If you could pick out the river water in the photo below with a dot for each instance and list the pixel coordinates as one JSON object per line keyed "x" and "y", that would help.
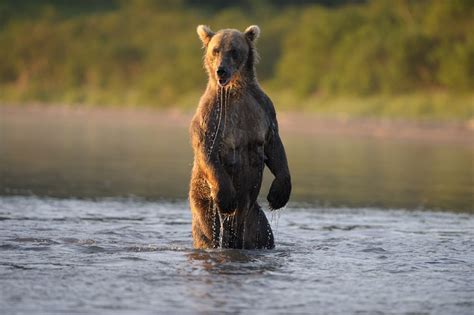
{"x": 94, "y": 219}
{"x": 135, "y": 256}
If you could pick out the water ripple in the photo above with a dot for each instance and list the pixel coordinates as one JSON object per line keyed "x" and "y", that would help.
{"x": 65, "y": 256}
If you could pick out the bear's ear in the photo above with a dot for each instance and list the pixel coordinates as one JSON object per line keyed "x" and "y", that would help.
{"x": 205, "y": 34}
{"x": 252, "y": 32}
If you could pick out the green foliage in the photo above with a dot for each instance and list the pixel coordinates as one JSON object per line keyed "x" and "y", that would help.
{"x": 146, "y": 52}
{"x": 381, "y": 48}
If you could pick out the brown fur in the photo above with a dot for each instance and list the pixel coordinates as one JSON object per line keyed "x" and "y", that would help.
{"x": 234, "y": 135}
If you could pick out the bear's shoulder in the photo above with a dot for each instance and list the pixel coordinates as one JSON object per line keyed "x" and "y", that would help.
{"x": 203, "y": 111}
{"x": 265, "y": 102}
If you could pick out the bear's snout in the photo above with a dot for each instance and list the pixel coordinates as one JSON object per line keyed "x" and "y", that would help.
{"x": 221, "y": 72}
{"x": 223, "y": 76}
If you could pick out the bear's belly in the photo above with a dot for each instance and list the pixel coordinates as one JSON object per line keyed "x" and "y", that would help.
{"x": 245, "y": 165}
{"x": 242, "y": 150}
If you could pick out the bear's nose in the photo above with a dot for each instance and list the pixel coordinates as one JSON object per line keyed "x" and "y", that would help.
{"x": 221, "y": 72}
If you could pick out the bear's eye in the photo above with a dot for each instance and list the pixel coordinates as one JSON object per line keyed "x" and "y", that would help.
{"x": 215, "y": 51}
{"x": 234, "y": 54}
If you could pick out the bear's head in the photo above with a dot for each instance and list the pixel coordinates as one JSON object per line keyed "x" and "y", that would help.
{"x": 230, "y": 54}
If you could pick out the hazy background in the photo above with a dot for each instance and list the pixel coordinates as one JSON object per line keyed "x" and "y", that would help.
{"x": 374, "y": 98}
{"x": 396, "y": 59}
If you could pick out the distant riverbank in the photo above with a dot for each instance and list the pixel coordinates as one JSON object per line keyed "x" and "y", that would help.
{"x": 296, "y": 122}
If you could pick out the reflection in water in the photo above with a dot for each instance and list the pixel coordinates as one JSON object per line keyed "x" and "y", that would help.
{"x": 235, "y": 262}
{"x": 220, "y": 276}
{"x": 112, "y": 153}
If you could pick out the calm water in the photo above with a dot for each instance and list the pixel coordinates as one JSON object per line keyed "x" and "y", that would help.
{"x": 118, "y": 154}
{"x": 94, "y": 219}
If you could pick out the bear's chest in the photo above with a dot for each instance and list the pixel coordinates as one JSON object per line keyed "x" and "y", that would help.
{"x": 244, "y": 132}
{"x": 245, "y": 125}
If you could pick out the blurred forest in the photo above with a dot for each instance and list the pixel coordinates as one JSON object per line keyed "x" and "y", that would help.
{"x": 400, "y": 58}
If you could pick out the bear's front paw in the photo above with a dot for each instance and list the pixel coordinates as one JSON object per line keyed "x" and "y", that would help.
{"x": 279, "y": 193}
{"x": 225, "y": 199}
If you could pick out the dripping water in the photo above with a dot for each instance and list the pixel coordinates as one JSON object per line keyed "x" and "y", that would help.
{"x": 243, "y": 233}
{"x": 221, "y": 231}
{"x": 233, "y": 228}
{"x": 224, "y": 220}
{"x": 258, "y": 224}
{"x": 275, "y": 218}
{"x": 223, "y": 95}
{"x": 220, "y": 109}
{"x": 214, "y": 222}
{"x": 278, "y": 220}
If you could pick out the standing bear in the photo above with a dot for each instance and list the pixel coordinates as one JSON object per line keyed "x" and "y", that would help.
{"x": 234, "y": 134}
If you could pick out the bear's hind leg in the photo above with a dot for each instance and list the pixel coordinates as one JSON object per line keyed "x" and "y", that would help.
{"x": 257, "y": 232}
{"x": 266, "y": 239}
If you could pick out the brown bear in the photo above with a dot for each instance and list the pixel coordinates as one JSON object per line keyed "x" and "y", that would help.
{"x": 234, "y": 134}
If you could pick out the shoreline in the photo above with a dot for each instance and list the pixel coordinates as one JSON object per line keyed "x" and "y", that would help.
{"x": 380, "y": 128}
{"x": 290, "y": 122}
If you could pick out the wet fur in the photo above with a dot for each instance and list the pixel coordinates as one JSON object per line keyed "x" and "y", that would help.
{"x": 234, "y": 135}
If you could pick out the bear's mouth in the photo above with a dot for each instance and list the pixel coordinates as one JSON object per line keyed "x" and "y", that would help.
{"x": 223, "y": 82}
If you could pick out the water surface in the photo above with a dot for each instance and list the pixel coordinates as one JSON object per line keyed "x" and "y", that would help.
{"x": 135, "y": 256}
{"x": 147, "y": 154}
{"x": 94, "y": 219}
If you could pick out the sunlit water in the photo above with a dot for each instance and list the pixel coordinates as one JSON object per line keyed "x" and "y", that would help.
{"x": 148, "y": 154}
{"x": 94, "y": 219}
{"x": 132, "y": 255}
